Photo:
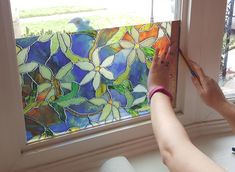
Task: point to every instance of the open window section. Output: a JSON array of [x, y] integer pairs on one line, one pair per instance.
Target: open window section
[[227, 76], [35, 18], [75, 81]]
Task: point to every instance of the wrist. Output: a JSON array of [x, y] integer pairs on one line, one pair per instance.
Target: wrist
[[222, 106], [160, 96], [161, 90]]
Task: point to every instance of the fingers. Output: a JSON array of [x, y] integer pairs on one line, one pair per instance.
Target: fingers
[[199, 71], [197, 85], [165, 54], [164, 59], [156, 58], [155, 61]]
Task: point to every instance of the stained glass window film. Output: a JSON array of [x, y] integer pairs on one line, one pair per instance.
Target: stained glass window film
[[75, 81]]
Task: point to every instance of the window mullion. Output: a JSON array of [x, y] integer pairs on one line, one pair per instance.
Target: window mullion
[[11, 116]]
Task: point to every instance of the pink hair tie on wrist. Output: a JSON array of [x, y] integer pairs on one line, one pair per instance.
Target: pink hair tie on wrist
[[160, 89]]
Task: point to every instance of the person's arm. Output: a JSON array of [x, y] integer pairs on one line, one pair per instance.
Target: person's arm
[[213, 96], [176, 149]]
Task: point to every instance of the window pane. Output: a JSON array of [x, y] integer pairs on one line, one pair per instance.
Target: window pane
[[38, 17], [227, 77], [75, 74], [76, 81]]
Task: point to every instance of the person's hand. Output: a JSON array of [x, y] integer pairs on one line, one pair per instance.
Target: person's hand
[[159, 71], [208, 88]]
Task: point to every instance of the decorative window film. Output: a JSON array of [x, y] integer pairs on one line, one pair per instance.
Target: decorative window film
[[75, 81]]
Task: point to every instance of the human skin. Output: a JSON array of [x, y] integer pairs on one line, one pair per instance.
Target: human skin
[[177, 151], [212, 95]]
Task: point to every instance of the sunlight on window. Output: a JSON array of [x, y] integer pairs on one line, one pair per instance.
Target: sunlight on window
[[84, 64], [40, 17], [227, 77]]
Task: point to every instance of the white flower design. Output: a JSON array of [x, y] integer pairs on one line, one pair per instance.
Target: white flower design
[[96, 69], [136, 46], [110, 107]]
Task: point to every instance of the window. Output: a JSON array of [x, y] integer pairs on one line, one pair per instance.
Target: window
[[76, 81], [125, 137], [227, 80], [64, 86], [40, 17]]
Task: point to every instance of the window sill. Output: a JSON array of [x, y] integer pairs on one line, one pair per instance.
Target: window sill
[[92, 150]]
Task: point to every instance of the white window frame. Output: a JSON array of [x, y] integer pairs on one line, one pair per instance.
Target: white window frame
[[200, 19]]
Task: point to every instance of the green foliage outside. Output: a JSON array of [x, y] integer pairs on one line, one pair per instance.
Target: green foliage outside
[[41, 27], [54, 10]]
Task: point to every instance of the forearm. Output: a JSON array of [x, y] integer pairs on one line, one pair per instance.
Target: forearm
[[177, 151], [227, 110], [167, 129]]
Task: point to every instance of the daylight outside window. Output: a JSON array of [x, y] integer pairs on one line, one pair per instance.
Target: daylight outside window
[[86, 64], [227, 75], [39, 17]]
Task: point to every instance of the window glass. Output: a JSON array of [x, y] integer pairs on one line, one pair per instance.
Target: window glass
[[75, 74], [227, 76], [39, 17]]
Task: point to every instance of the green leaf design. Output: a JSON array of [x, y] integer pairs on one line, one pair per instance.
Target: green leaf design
[[45, 72], [74, 58], [148, 51], [69, 78], [117, 36], [143, 107], [123, 76], [65, 41], [42, 87], [64, 70], [54, 45], [128, 28], [116, 113], [105, 113], [72, 94], [124, 91], [98, 101], [101, 90], [18, 49], [44, 38], [31, 106], [116, 104], [91, 33], [72, 101], [28, 67], [105, 35], [33, 93], [148, 63], [139, 100], [129, 98], [21, 80], [22, 56], [140, 89], [67, 85], [48, 132], [133, 112], [127, 84], [60, 111], [51, 94]]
